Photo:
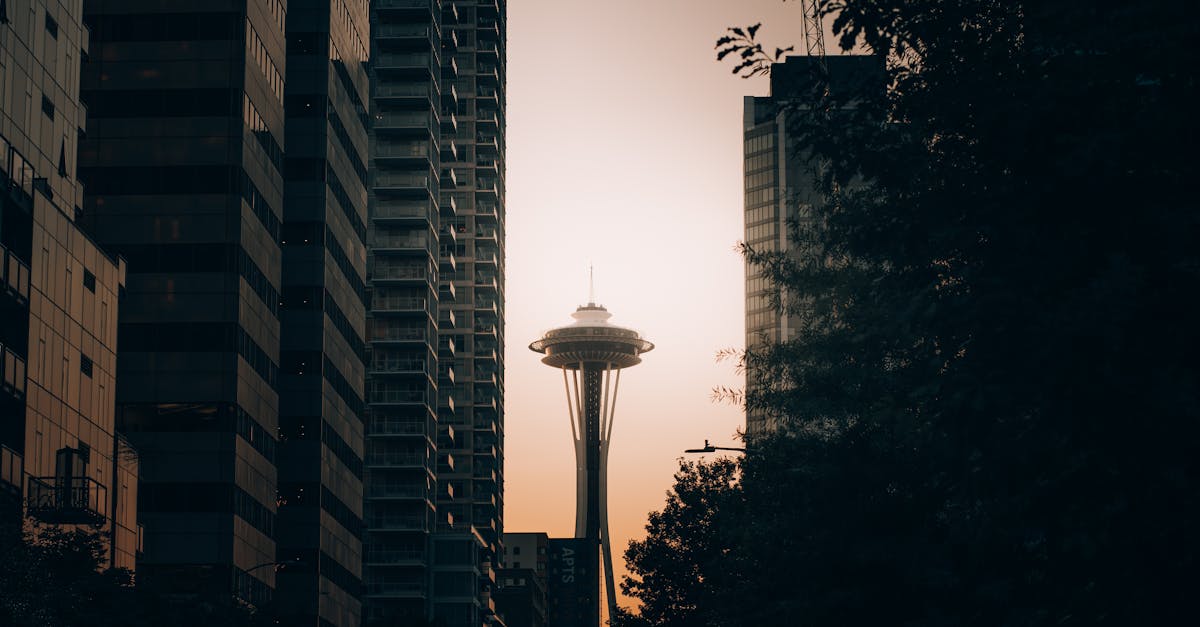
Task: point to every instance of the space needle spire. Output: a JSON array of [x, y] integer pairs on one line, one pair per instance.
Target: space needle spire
[[591, 352]]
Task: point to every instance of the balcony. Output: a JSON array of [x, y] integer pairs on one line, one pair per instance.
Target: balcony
[[485, 258], [404, 63], [402, 32], [397, 459], [448, 292], [447, 375], [397, 522], [487, 165], [385, 242], [405, 122], [404, 491], [423, 91], [403, 152], [398, 304], [399, 210], [485, 209], [386, 590], [67, 500], [394, 557], [487, 50], [404, 181], [487, 73], [448, 205]]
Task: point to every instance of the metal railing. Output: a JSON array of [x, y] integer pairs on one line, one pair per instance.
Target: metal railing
[[67, 500]]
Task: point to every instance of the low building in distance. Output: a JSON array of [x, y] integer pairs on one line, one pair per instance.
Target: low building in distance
[[521, 593]]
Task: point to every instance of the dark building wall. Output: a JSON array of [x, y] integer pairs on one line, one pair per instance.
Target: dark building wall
[[184, 166], [322, 313]]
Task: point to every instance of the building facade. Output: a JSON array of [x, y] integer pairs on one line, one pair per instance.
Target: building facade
[[469, 549], [402, 271], [781, 187], [434, 477], [521, 596], [322, 313], [61, 458], [184, 165]]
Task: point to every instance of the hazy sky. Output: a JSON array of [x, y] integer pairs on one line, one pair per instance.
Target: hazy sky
[[624, 150]]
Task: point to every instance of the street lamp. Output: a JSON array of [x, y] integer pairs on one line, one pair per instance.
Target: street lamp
[[292, 562], [708, 448]]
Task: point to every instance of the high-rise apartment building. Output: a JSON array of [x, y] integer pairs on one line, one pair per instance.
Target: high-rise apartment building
[[781, 186], [402, 273], [435, 339], [241, 366], [468, 553], [61, 459]]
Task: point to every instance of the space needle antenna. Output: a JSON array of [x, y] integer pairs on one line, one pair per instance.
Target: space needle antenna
[[591, 284]]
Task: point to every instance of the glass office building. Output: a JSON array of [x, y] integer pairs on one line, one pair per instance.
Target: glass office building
[[782, 185], [323, 313], [241, 369]]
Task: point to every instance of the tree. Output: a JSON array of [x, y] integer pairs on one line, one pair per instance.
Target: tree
[[678, 568], [991, 402], [56, 577]]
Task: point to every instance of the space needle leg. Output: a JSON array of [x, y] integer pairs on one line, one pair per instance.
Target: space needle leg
[[581, 487], [605, 442]]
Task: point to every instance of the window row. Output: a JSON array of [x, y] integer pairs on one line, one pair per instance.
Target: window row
[[195, 418], [196, 497], [257, 50], [760, 143]]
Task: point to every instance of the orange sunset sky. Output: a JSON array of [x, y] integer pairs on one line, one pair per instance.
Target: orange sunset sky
[[624, 150]]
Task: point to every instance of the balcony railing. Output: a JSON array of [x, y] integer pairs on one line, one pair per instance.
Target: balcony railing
[[67, 500], [404, 120], [402, 61], [404, 90]]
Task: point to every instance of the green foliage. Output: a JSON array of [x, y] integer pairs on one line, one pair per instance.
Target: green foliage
[[991, 406]]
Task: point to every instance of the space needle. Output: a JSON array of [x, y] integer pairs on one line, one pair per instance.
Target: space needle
[[591, 353]]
